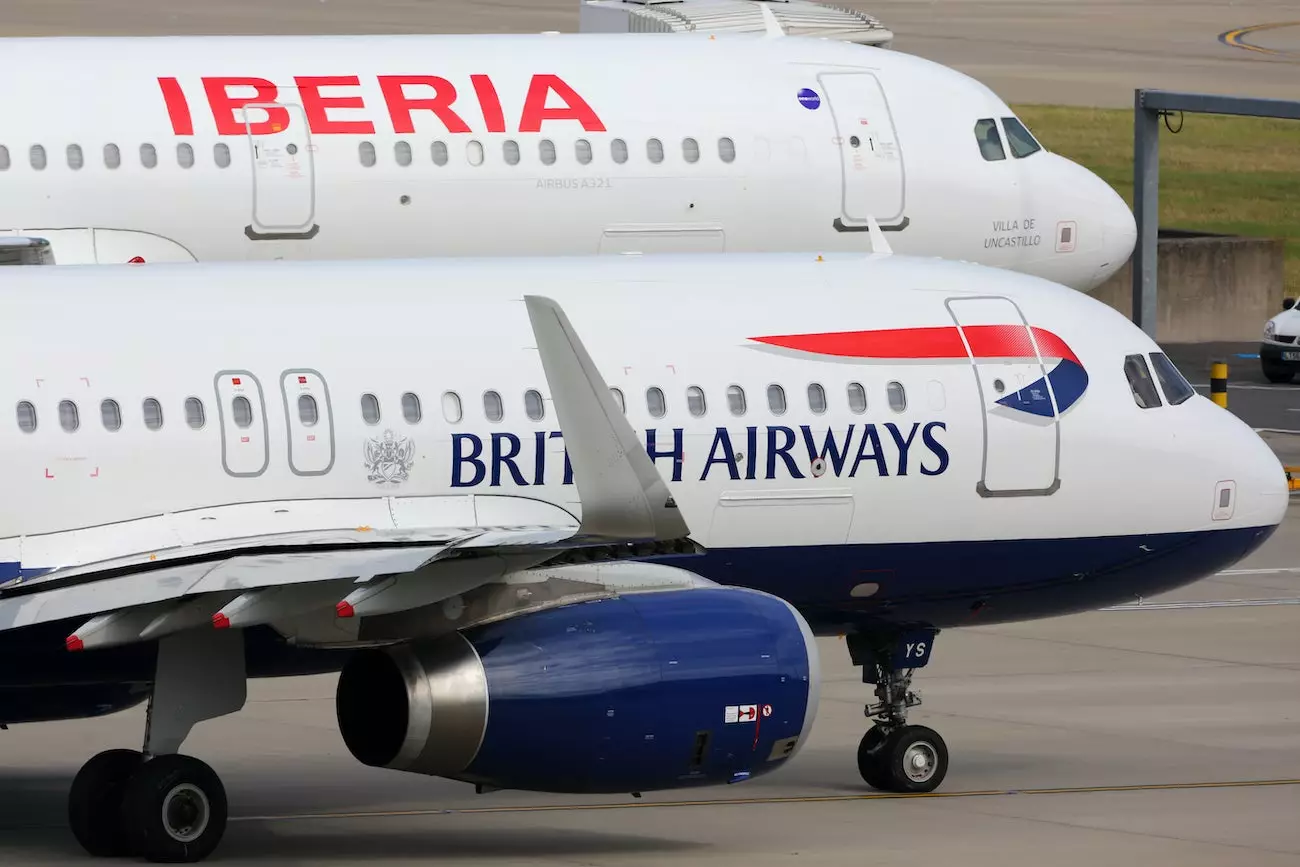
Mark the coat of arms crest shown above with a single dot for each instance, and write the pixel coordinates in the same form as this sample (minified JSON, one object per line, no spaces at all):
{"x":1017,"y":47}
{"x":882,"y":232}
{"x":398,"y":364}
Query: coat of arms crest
{"x":389,"y":459}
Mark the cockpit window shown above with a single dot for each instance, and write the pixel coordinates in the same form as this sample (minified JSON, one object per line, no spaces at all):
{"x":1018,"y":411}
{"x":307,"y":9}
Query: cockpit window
{"x":1020,"y":141}
{"x":1140,"y":381}
{"x":1175,"y":386}
{"x":986,"y":133}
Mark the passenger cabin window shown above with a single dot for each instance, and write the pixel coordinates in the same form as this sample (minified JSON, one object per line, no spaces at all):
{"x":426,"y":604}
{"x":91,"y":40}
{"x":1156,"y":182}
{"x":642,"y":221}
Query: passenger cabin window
{"x":221,"y":155}
{"x":370,"y":409}
{"x":411,"y":408}
{"x":510,"y":152}
{"x":546,"y":150}
{"x":152,"y":411}
{"x":438,"y":150}
{"x":776,"y":399}
{"x":474,"y":153}
{"x":857,"y":398}
{"x":366,"y":153}
{"x":4,"y":158}
{"x":112,"y":156}
{"x":618,"y":399}
{"x":402,"y":153}
{"x":1140,"y":382}
{"x":695,"y":401}
{"x":451,"y":408}
{"x":736,"y":400}
{"x":493,"y":408}
{"x":1175,"y":386}
{"x":816,"y":399}
{"x":534,"y":408}
{"x":726,"y":150}
{"x":185,"y":155}
{"x":194,"y":415}
{"x":68,"y":418}
{"x":582,"y":150}
{"x":111,"y":414}
{"x":242,"y":411}
{"x":1020,"y":141}
{"x":148,"y":156}
{"x":897,"y":396}
{"x":690,"y":150}
{"x":26,"y":416}
{"x":654,"y":402}
{"x":38,"y":157}
{"x":986,"y":133}
{"x":308,"y":414}
{"x":76,"y":159}
{"x":654,"y":150}
{"x":618,"y":151}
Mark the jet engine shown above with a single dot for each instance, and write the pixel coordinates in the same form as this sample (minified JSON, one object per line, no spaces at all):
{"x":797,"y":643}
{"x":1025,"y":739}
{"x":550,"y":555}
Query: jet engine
{"x":638,"y":692}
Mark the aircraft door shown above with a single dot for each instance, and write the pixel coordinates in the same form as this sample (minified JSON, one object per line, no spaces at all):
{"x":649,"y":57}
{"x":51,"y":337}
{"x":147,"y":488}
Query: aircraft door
{"x":309,"y":419}
{"x":871,"y":160}
{"x":1021,"y":428}
{"x":241,"y":410}
{"x":284,"y":176}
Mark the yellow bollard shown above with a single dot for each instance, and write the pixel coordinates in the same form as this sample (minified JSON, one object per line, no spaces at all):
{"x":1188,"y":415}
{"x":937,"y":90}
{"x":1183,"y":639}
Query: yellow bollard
{"x":1219,"y":383}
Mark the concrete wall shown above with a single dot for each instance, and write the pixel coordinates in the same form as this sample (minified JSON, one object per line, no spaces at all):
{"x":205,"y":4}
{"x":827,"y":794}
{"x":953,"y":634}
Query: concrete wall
{"x":1208,"y":287}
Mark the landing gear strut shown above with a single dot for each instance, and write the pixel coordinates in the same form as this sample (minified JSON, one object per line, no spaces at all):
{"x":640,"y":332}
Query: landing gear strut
{"x":157,"y":804}
{"x":894,"y":756}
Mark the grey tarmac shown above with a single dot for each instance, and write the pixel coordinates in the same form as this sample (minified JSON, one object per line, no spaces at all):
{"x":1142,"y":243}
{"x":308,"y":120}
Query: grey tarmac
{"x":1078,"y":52}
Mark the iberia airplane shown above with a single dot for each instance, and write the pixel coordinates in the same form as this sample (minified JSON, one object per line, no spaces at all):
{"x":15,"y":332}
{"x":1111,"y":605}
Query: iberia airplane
{"x":569,"y":524}
{"x":324,"y":147}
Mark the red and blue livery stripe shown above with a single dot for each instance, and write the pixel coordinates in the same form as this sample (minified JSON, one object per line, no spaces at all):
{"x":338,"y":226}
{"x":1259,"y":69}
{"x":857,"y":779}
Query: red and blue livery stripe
{"x":1067,"y":377}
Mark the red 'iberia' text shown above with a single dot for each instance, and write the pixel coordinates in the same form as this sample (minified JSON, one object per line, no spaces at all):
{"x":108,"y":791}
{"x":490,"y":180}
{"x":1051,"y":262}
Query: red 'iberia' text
{"x":323,"y":97}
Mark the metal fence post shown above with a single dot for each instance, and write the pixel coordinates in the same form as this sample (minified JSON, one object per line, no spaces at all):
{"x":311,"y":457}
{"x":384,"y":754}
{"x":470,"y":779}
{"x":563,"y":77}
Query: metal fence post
{"x":1146,"y":212}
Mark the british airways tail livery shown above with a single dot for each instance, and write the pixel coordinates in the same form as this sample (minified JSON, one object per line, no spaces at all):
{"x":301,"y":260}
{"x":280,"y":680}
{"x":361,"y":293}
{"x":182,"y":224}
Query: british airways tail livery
{"x":324,"y":147}
{"x":569,"y":524}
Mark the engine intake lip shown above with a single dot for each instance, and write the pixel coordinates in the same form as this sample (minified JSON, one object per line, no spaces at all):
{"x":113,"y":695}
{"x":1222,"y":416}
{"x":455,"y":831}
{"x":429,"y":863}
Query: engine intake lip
{"x":419,"y":707}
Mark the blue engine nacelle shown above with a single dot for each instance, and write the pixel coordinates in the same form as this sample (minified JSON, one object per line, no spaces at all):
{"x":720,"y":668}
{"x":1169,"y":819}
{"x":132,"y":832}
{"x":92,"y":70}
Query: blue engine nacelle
{"x":629,"y":694}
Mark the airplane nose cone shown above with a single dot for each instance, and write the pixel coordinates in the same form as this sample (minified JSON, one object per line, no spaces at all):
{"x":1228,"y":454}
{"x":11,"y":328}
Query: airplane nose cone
{"x":1251,"y":467}
{"x":1119,"y":233}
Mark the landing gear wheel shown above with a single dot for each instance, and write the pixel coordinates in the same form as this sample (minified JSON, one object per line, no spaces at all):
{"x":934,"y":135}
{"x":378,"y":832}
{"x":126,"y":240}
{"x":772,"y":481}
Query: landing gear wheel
{"x":174,"y":810}
{"x":869,"y":763}
{"x":913,"y":759}
{"x":95,"y":802}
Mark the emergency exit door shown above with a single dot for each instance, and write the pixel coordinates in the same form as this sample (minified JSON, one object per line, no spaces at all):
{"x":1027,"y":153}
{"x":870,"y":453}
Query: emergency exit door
{"x":241,"y":410}
{"x":309,"y":420}
{"x":871,"y":160}
{"x":1021,"y":426}
{"x":284,"y":173}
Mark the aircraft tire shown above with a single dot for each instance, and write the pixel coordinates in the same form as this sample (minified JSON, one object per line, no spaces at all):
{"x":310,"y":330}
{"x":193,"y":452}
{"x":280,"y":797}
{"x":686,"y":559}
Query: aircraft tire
{"x":174,"y":810}
{"x":913,"y":759}
{"x":870,"y":765}
{"x":95,"y":802}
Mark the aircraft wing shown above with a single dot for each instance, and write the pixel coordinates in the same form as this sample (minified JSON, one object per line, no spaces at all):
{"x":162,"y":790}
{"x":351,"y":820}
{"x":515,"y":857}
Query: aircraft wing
{"x":247,"y":579}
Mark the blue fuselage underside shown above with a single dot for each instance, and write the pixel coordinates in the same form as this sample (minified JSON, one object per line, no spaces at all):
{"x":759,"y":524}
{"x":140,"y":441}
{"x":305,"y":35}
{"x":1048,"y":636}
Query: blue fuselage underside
{"x":939,"y":584}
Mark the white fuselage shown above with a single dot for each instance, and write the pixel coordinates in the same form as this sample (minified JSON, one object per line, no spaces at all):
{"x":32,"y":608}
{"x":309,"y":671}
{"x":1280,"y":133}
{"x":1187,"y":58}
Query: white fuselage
{"x":856,"y":404}
{"x":395,"y":146}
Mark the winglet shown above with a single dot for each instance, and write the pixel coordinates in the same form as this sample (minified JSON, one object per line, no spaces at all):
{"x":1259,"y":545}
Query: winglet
{"x":772,"y":26}
{"x":623,"y":496}
{"x":879,"y":245}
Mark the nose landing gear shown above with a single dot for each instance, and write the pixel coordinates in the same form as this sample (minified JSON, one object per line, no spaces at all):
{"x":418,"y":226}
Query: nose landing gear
{"x":894,"y":756}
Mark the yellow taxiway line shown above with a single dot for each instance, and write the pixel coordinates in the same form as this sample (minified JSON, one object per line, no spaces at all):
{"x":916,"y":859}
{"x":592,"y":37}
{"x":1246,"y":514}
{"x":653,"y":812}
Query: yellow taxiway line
{"x":793,"y":799}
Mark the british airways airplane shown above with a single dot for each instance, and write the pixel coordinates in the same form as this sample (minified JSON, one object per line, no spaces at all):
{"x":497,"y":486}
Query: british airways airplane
{"x":569,"y":524}
{"x":325,"y":147}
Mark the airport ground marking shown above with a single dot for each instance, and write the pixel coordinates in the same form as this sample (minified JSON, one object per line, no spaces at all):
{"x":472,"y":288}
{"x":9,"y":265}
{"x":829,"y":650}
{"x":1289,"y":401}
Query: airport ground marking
{"x":1235,"y":38}
{"x":788,"y":799}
